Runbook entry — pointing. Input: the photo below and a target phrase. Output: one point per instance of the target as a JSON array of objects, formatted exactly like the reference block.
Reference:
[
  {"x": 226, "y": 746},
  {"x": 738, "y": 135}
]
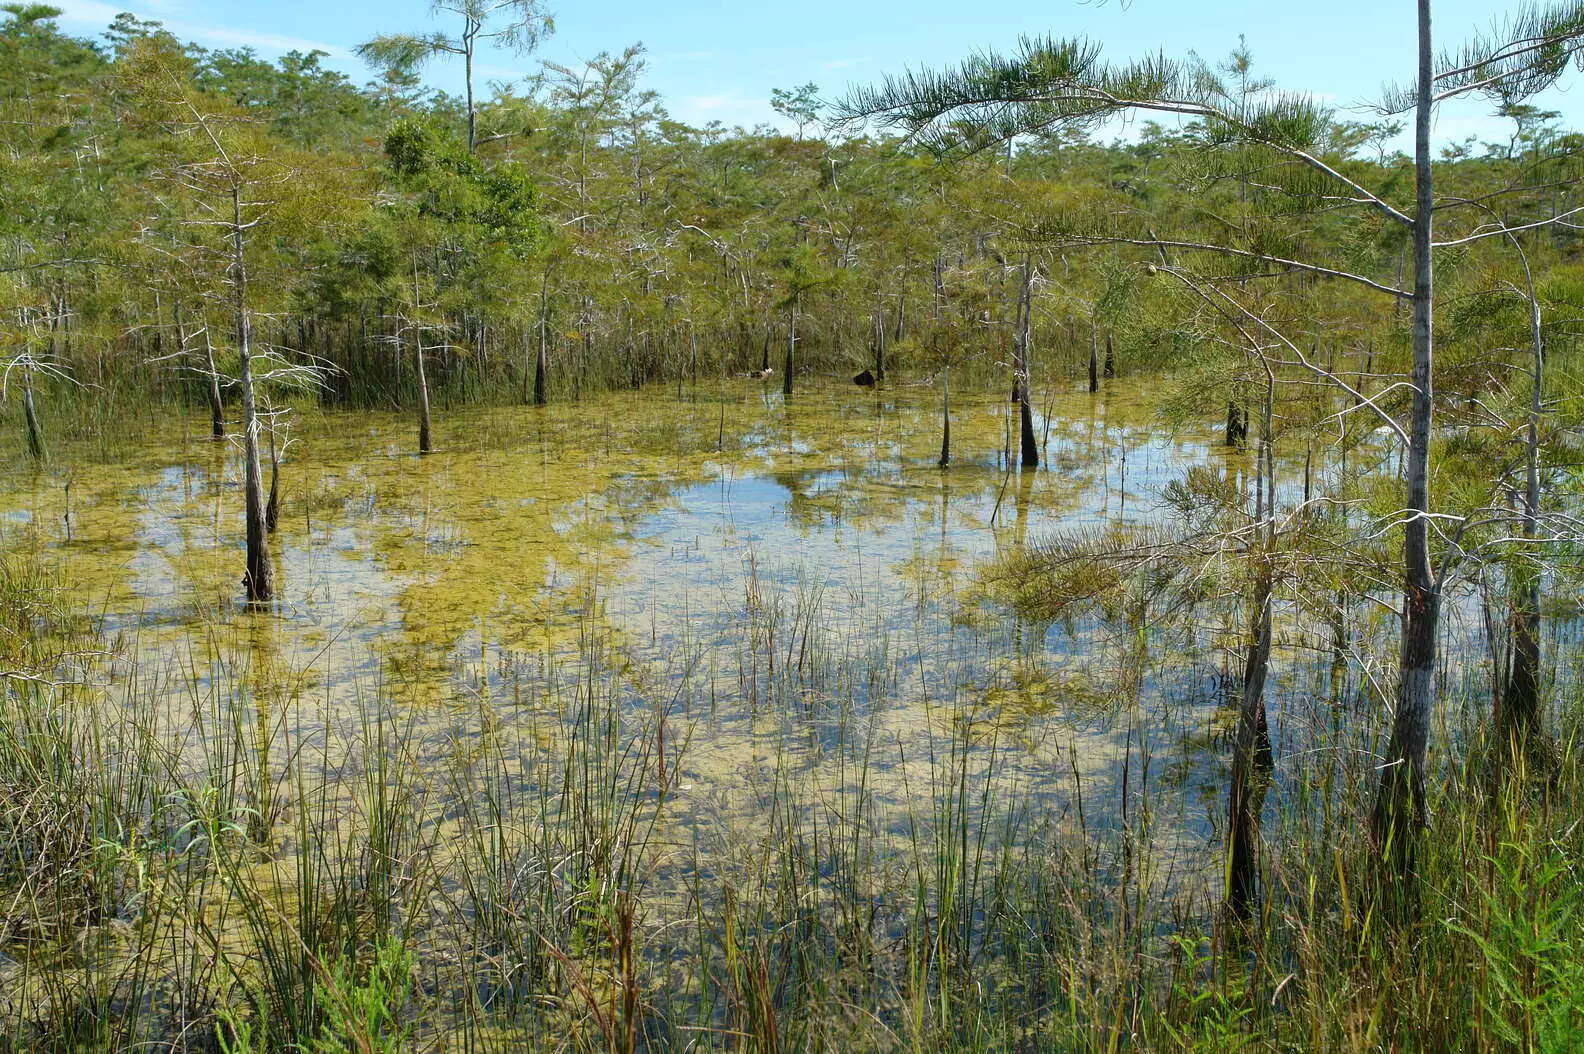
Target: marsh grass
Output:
[
  {"x": 251, "y": 877},
  {"x": 813, "y": 831}
]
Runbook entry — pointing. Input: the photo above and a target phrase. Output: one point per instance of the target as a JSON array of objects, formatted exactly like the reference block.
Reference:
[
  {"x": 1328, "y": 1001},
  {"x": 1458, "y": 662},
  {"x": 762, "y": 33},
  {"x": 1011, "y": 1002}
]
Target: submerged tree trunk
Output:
[
  {"x": 1094, "y": 360},
  {"x": 35, "y": 433},
  {"x": 216, "y": 404},
  {"x": 1028, "y": 443},
  {"x": 1236, "y": 424},
  {"x": 945, "y": 454},
  {"x": 879, "y": 342},
  {"x": 1518, "y": 708},
  {"x": 260, "y": 577},
  {"x": 210, "y": 372},
  {"x": 1251, "y": 759},
  {"x": 1399, "y": 812},
  {"x": 272, "y": 507},
  {"x": 541, "y": 363}
]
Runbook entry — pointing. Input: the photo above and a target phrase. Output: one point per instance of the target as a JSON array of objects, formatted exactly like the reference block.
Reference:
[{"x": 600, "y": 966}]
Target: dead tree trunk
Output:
[
  {"x": 212, "y": 375},
  {"x": 35, "y": 433},
  {"x": 1028, "y": 443},
  {"x": 542, "y": 359},
  {"x": 1094, "y": 360},
  {"x": 272, "y": 507},
  {"x": 537, "y": 394},
  {"x": 879, "y": 346},
  {"x": 260, "y": 577},
  {"x": 945, "y": 454}
]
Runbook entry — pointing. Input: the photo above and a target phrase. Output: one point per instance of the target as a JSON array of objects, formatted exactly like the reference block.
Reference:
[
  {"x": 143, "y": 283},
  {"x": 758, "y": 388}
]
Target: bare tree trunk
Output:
[
  {"x": 1110, "y": 359},
  {"x": 1251, "y": 758},
  {"x": 585, "y": 346},
  {"x": 1028, "y": 443},
  {"x": 880, "y": 342},
  {"x": 945, "y": 454},
  {"x": 272, "y": 507},
  {"x": 425, "y": 445},
  {"x": 528, "y": 366},
  {"x": 260, "y": 577},
  {"x": 792, "y": 317},
  {"x": 542, "y": 360},
  {"x": 1399, "y": 812},
  {"x": 1094, "y": 360},
  {"x": 35, "y": 434},
  {"x": 472, "y": 116},
  {"x": 211, "y": 374},
  {"x": 216, "y": 403}
]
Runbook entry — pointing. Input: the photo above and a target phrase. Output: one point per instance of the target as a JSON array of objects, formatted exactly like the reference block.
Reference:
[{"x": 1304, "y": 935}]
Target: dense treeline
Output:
[{"x": 589, "y": 240}]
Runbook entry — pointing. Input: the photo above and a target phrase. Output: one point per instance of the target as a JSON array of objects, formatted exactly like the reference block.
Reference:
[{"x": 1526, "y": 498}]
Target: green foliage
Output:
[
  {"x": 799, "y": 105},
  {"x": 371, "y": 1004},
  {"x": 1531, "y": 927},
  {"x": 450, "y": 185}
]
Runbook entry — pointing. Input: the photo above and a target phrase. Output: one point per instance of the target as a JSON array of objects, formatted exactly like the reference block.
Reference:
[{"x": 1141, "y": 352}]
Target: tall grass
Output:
[{"x": 550, "y": 860}]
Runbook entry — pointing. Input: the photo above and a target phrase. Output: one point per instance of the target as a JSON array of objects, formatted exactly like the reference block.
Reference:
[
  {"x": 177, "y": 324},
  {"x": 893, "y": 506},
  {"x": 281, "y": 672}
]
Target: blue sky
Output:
[{"x": 712, "y": 60}]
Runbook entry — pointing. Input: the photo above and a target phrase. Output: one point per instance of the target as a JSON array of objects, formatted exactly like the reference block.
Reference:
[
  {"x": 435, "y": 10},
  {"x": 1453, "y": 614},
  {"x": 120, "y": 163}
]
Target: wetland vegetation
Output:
[{"x": 453, "y": 595}]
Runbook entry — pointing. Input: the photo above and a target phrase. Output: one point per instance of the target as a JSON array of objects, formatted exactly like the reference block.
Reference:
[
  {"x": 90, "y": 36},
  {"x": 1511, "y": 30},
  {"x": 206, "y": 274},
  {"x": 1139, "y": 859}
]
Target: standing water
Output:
[{"x": 613, "y": 682}]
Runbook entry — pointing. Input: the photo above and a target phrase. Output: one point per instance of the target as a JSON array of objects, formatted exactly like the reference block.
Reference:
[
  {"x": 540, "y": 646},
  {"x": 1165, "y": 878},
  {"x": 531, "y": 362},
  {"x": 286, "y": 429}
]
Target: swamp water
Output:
[{"x": 722, "y": 661}]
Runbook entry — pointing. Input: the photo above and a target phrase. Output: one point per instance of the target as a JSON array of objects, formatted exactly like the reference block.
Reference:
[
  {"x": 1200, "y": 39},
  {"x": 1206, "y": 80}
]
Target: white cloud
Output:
[
  {"x": 729, "y": 108},
  {"x": 95, "y": 17}
]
